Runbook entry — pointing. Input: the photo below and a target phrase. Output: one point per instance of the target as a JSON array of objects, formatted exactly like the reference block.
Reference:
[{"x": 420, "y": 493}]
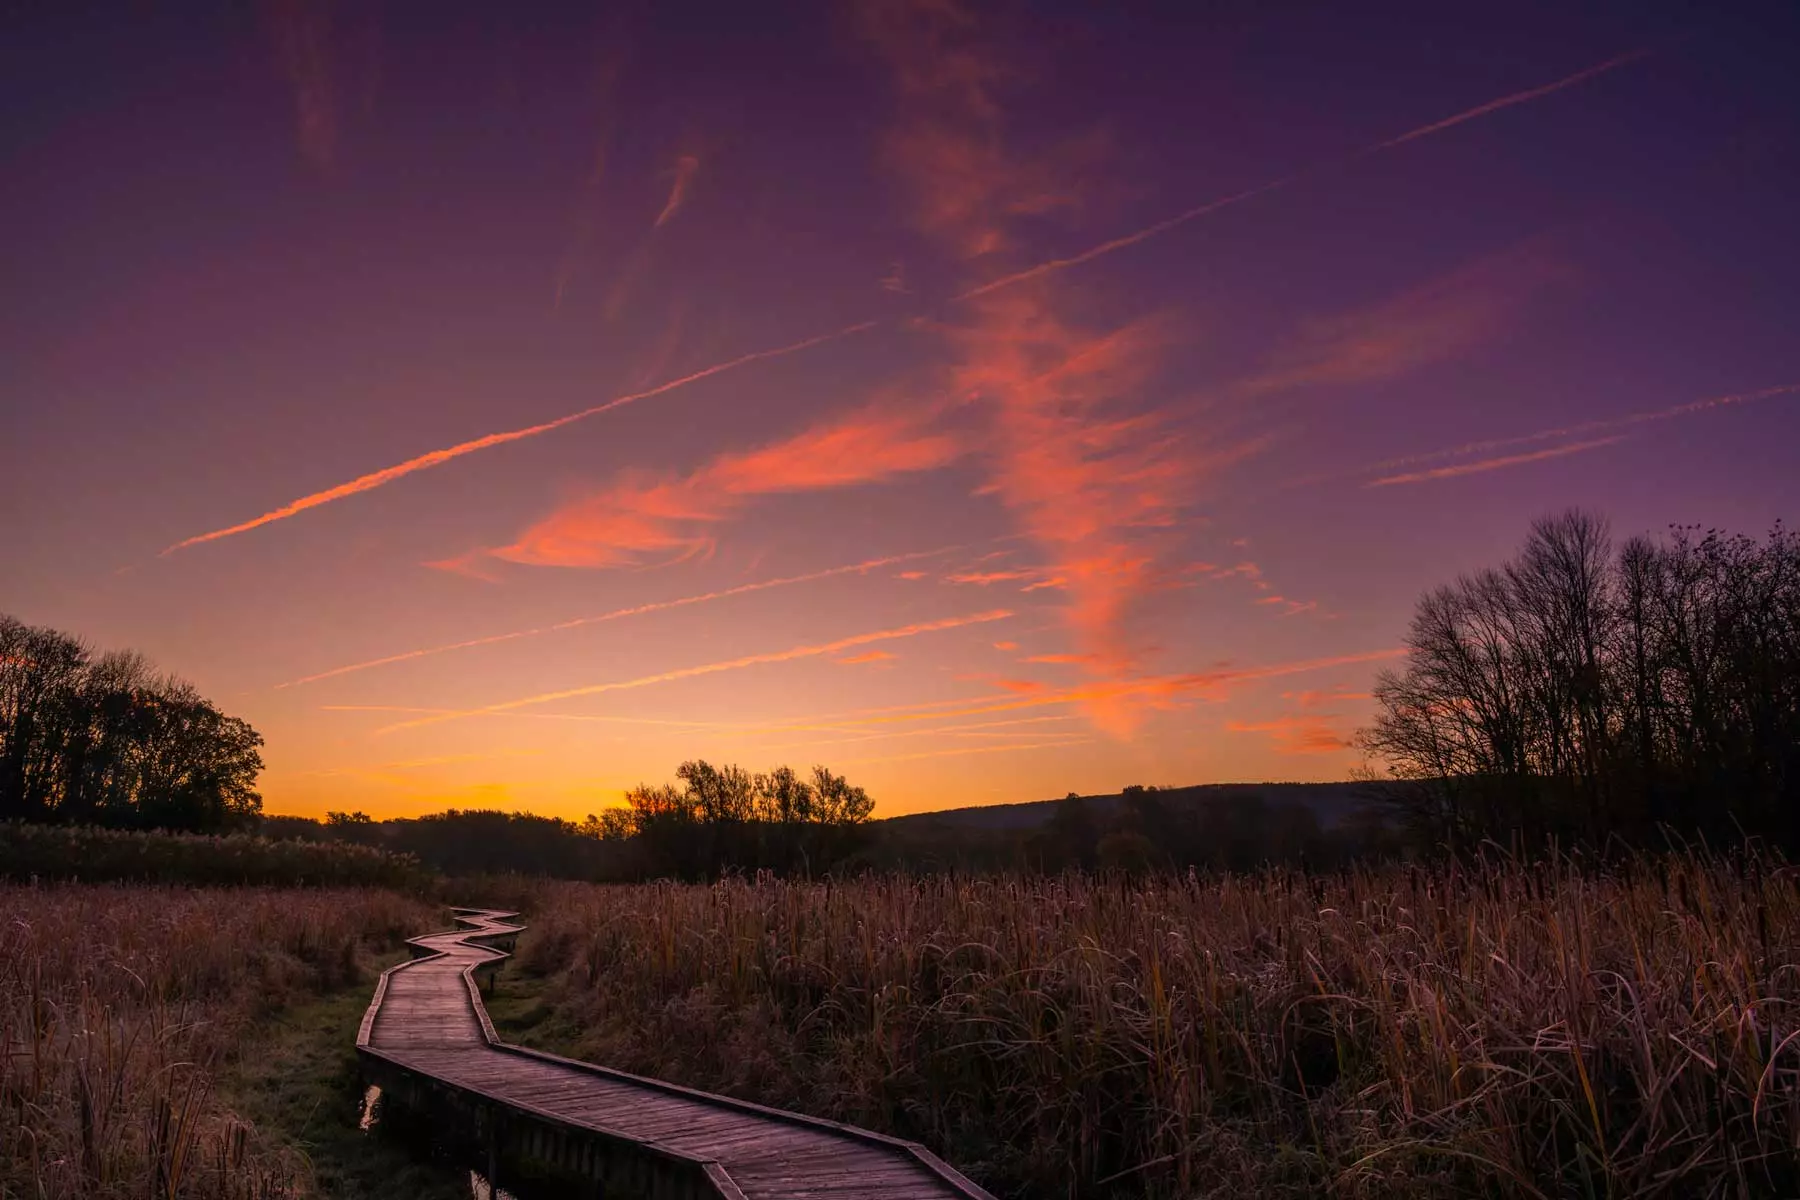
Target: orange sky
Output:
[{"x": 499, "y": 412}]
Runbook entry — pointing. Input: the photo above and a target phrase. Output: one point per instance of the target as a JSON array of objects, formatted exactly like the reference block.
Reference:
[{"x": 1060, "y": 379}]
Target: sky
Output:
[{"x": 497, "y": 405}]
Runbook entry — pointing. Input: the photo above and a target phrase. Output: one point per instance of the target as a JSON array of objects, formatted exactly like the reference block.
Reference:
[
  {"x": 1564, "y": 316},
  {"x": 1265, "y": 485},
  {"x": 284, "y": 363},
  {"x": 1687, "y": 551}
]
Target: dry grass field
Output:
[
  {"x": 121, "y": 1005},
  {"x": 1504, "y": 1030}
]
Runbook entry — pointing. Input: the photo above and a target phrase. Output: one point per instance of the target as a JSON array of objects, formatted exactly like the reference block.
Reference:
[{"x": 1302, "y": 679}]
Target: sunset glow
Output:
[{"x": 498, "y": 409}]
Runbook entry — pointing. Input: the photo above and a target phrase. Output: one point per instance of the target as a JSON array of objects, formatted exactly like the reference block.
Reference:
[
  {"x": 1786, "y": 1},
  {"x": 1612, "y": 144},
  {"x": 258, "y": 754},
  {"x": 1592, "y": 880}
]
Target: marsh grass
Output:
[
  {"x": 121, "y": 1006},
  {"x": 1502, "y": 1029}
]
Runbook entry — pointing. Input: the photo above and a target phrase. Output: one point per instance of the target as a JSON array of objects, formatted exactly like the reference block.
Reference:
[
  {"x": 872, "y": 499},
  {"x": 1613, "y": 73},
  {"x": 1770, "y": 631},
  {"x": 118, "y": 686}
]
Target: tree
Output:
[
  {"x": 106, "y": 740},
  {"x": 1579, "y": 693}
]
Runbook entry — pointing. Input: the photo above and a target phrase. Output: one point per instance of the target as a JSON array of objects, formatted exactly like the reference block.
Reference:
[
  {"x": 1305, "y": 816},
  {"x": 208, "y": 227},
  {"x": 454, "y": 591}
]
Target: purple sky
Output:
[{"x": 1014, "y": 399}]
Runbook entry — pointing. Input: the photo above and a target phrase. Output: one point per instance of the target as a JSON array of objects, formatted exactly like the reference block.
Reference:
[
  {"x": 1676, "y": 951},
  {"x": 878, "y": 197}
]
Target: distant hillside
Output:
[{"x": 1329, "y": 803}]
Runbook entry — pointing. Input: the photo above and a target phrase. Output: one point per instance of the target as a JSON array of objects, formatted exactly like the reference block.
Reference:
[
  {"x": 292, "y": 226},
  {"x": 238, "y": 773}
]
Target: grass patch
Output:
[{"x": 297, "y": 1081}]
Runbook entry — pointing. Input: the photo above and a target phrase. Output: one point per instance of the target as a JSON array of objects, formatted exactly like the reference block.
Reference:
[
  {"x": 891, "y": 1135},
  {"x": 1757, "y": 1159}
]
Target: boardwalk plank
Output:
[{"x": 425, "y": 1020}]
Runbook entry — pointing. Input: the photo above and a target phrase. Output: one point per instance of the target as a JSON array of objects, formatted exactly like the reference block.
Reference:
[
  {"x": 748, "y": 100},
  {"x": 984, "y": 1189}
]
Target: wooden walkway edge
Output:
[{"x": 427, "y": 1041}]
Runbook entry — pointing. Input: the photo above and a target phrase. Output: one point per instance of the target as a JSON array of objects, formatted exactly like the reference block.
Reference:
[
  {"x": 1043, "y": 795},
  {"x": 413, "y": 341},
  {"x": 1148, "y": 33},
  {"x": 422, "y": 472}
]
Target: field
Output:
[
  {"x": 1503, "y": 1030},
  {"x": 122, "y": 1008}
]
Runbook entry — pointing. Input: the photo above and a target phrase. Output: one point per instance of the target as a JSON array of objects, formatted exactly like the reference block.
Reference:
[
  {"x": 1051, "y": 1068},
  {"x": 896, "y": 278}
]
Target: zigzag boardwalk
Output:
[{"x": 427, "y": 1042}]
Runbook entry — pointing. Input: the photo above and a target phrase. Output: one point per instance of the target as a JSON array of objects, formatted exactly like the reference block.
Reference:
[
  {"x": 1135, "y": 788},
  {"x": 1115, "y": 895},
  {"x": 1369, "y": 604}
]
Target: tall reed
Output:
[
  {"x": 1496, "y": 1029},
  {"x": 118, "y": 1005}
]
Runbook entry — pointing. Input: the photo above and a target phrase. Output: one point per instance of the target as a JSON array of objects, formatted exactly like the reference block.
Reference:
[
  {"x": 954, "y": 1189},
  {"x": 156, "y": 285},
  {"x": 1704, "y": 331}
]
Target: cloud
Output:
[
  {"x": 1144, "y": 234},
  {"x": 302, "y": 34},
  {"x": 1116, "y": 700},
  {"x": 1006, "y": 645},
  {"x": 1093, "y": 477},
  {"x": 1296, "y": 734},
  {"x": 621, "y": 613},
  {"x": 734, "y": 664},
  {"x": 947, "y": 145},
  {"x": 961, "y": 750},
  {"x": 645, "y": 519},
  {"x": 685, "y": 167},
  {"x": 435, "y": 458},
  {"x": 869, "y": 656},
  {"x": 1493, "y": 464},
  {"x": 985, "y": 578},
  {"x": 1096, "y": 482},
  {"x": 1433, "y": 323}
]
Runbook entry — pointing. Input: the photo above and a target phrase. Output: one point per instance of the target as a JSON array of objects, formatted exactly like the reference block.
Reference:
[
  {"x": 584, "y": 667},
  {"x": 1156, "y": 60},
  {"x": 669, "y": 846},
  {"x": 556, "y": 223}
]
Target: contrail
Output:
[
  {"x": 1600, "y": 425},
  {"x": 618, "y": 613},
  {"x": 749, "y": 660},
  {"x": 1119, "y": 243},
  {"x": 1481, "y": 466},
  {"x": 1524, "y": 97},
  {"x": 1212, "y": 206},
  {"x": 375, "y": 479}
]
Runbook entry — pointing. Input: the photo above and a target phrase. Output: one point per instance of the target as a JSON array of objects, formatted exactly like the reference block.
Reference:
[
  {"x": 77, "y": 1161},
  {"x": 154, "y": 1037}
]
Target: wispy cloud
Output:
[
  {"x": 685, "y": 167},
  {"x": 636, "y": 610},
  {"x": 1151, "y": 691},
  {"x": 436, "y": 458},
  {"x": 1481, "y": 466},
  {"x": 646, "y": 519},
  {"x": 955, "y": 751},
  {"x": 791, "y": 654},
  {"x": 1433, "y": 323},
  {"x": 1299, "y": 734},
  {"x": 1198, "y": 211},
  {"x": 302, "y": 34},
  {"x": 869, "y": 656}
]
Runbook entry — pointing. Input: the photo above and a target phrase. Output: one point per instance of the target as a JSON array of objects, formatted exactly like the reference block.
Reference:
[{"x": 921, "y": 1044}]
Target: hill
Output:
[{"x": 1330, "y": 803}]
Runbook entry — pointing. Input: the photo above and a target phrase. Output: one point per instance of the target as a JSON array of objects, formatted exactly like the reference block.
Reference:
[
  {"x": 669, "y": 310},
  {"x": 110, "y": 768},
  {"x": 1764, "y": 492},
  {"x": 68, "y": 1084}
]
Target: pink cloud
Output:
[{"x": 643, "y": 519}]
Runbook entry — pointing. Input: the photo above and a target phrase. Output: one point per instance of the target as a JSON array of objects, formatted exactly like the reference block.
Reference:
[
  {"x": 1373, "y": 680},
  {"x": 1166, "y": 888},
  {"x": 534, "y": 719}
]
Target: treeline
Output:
[
  {"x": 106, "y": 740},
  {"x": 712, "y": 821},
  {"x": 91, "y": 855},
  {"x": 1587, "y": 694},
  {"x": 724, "y": 818},
  {"x": 470, "y": 842}
]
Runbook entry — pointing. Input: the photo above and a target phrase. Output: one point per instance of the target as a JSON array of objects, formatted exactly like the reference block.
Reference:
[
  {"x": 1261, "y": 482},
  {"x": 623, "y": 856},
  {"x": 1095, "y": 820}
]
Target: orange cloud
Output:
[
  {"x": 436, "y": 458},
  {"x": 621, "y": 613},
  {"x": 1095, "y": 481},
  {"x": 984, "y": 578},
  {"x": 1006, "y": 645},
  {"x": 734, "y": 664},
  {"x": 641, "y": 518},
  {"x": 685, "y": 167},
  {"x": 1115, "y": 699},
  {"x": 1493, "y": 464},
  {"x": 869, "y": 656},
  {"x": 1296, "y": 734}
]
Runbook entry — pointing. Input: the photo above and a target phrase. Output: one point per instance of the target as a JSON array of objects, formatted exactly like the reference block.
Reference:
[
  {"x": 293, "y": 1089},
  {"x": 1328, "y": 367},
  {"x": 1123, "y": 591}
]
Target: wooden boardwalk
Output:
[{"x": 427, "y": 1041}]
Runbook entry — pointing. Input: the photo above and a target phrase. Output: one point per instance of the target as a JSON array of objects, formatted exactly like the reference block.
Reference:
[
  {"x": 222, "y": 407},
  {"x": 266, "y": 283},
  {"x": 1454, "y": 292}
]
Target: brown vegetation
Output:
[
  {"x": 1502, "y": 1029},
  {"x": 120, "y": 1004}
]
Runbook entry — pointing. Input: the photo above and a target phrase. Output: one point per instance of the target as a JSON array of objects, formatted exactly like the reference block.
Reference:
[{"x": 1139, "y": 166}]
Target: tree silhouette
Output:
[
  {"x": 1581, "y": 693},
  {"x": 106, "y": 740}
]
